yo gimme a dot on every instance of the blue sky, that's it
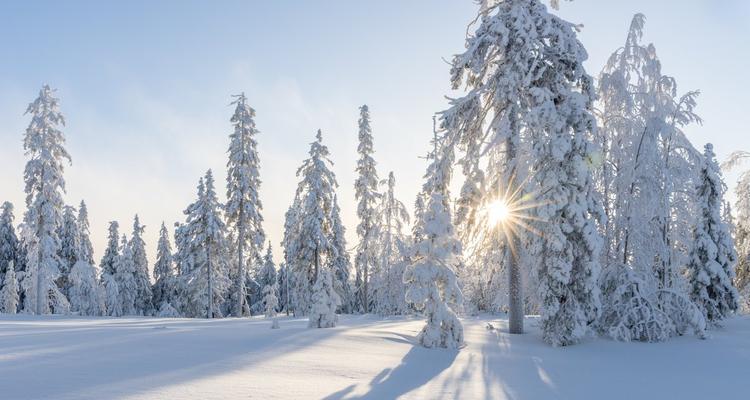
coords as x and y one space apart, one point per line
146 86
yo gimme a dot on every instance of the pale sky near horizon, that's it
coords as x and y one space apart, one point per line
145 87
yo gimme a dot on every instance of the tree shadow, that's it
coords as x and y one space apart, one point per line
418 367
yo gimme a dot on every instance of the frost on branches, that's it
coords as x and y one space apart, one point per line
243 208
324 302
713 258
44 145
144 296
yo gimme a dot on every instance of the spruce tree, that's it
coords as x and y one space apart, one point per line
713 258
366 193
107 264
69 247
45 185
388 286
125 276
324 301
86 295
9 243
311 241
144 296
9 291
430 278
164 273
205 277
243 208
86 252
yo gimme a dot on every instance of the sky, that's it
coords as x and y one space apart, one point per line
146 88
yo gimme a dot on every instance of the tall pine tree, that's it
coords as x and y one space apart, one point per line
43 175
366 192
243 208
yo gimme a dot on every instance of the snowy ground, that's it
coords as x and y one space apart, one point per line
363 358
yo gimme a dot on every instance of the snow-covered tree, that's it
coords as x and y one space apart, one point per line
85 294
742 225
431 279
713 258
44 145
144 297
111 295
107 264
366 193
270 300
243 208
9 291
69 246
528 94
285 286
267 273
9 243
324 302
125 276
86 250
205 272
164 274
340 264
313 237
388 285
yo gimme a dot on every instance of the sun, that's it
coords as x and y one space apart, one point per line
498 212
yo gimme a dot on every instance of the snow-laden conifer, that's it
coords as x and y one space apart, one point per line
9 291
430 279
270 300
112 301
243 208
9 243
44 146
324 301
70 236
529 94
86 250
366 193
285 287
205 276
313 237
86 295
164 274
125 276
340 264
713 258
144 297
388 285
112 251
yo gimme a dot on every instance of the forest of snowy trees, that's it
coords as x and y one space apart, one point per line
581 200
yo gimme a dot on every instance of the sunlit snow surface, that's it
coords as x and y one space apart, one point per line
364 357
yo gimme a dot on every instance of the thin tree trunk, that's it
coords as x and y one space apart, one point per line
515 288
209 308
240 266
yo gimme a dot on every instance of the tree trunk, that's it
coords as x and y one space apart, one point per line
209 308
515 290
240 267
